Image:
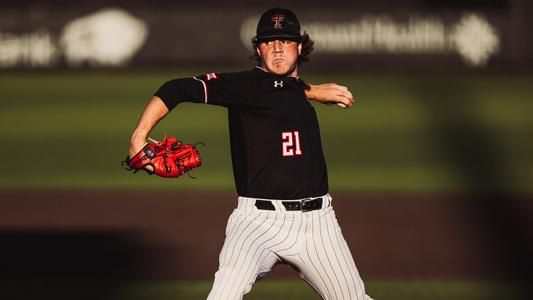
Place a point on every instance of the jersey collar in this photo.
(266, 71)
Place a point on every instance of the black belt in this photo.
(301, 205)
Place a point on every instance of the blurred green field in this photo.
(383, 290)
(262, 290)
(405, 133)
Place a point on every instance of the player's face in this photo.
(280, 56)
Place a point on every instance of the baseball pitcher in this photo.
(284, 213)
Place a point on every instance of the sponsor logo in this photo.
(278, 83)
(472, 36)
(106, 37)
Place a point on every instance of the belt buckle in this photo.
(303, 205)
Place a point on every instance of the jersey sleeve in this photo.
(180, 90)
(224, 89)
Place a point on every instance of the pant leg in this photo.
(245, 255)
(325, 261)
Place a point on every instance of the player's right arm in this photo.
(168, 96)
(218, 89)
(152, 114)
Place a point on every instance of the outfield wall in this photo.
(383, 36)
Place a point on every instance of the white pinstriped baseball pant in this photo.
(311, 242)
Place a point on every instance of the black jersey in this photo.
(274, 134)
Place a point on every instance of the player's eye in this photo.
(287, 42)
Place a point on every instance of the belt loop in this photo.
(245, 204)
(240, 203)
(250, 205)
(327, 201)
(279, 206)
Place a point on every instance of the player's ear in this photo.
(299, 48)
(258, 52)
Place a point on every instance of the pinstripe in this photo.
(351, 265)
(349, 254)
(252, 249)
(230, 246)
(229, 226)
(239, 253)
(231, 261)
(224, 251)
(313, 287)
(282, 241)
(314, 266)
(309, 261)
(252, 258)
(304, 237)
(233, 233)
(269, 247)
(240, 232)
(338, 251)
(321, 229)
(296, 237)
(303, 271)
(259, 260)
(346, 250)
(346, 264)
(314, 235)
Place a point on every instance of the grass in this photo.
(406, 133)
(268, 289)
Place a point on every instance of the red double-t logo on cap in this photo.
(277, 18)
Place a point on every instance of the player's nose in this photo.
(278, 47)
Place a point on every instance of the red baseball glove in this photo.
(168, 158)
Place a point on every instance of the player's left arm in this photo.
(330, 93)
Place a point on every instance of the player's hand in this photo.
(330, 93)
(135, 147)
(155, 110)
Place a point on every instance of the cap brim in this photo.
(271, 37)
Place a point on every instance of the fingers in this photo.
(345, 98)
(343, 95)
(348, 95)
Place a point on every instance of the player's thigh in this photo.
(244, 255)
(233, 280)
(327, 264)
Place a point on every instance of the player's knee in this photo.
(230, 285)
(229, 292)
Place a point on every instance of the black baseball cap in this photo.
(278, 23)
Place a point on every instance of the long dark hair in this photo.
(307, 48)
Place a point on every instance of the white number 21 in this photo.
(291, 143)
